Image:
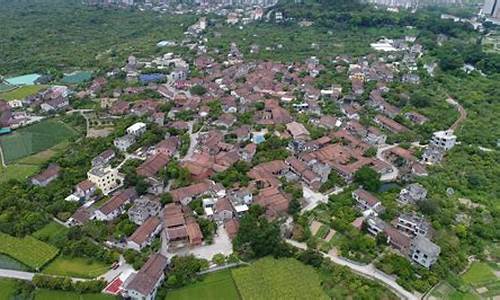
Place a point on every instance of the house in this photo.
(303, 170)
(225, 120)
(106, 179)
(416, 117)
(433, 155)
(194, 233)
(413, 224)
(186, 194)
(124, 142)
(412, 193)
(242, 133)
(137, 129)
(298, 131)
(232, 226)
(366, 202)
(375, 225)
(81, 216)
(390, 124)
(115, 206)
(223, 210)
(153, 165)
(424, 252)
(58, 103)
(119, 108)
(144, 235)
(85, 189)
(274, 201)
(168, 146)
(328, 122)
(47, 176)
(144, 284)
(397, 239)
(104, 158)
(143, 209)
(444, 139)
(174, 224)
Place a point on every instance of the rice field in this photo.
(28, 250)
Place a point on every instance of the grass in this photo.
(28, 250)
(270, 278)
(50, 232)
(478, 273)
(60, 295)
(214, 286)
(7, 289)
(22, 92)
(17, 172)
(35, 138)
(75, 267)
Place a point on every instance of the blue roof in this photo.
(5, 130)
(153, 77)
(258, 138)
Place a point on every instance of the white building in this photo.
(137, 129)
(444, 139)
(424, 252)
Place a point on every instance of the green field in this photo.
(7, 289)
(478, 274)
(35, 138)
(214, 286)
(75, 267)
(269, 278)
(60, 295)
(28, 250)
(22, 92)
(50, 232)
(17, 171)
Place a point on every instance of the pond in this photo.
(27, 79)
(7, 262)
(388, 186)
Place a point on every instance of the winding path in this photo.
(368, 271)
(461, 111)
(395, 171)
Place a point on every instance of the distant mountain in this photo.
(414, 3)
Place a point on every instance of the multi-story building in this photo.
(444, 139)
(106, 179)
(424, 252)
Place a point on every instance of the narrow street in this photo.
(28, 276)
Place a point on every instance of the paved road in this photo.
(395, 172)
(314, 198)
(366, 270)
(28, 276)
(192, 143)
(123, 268)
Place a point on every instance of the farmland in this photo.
(28, 250)
(60, 295)
(214, 286)
(7, 289)
(21, 92)
(35, 138)
(269, 278)
(75, 267)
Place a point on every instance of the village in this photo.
(210, 144)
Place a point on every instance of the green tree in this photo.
(368, 178)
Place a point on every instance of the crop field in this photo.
(50, 232)
(22, 92)
(17, 171)
(60, 295)
(33, 139)
(269, 278)
(75, 267)
(214, 286)
(28, 250)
